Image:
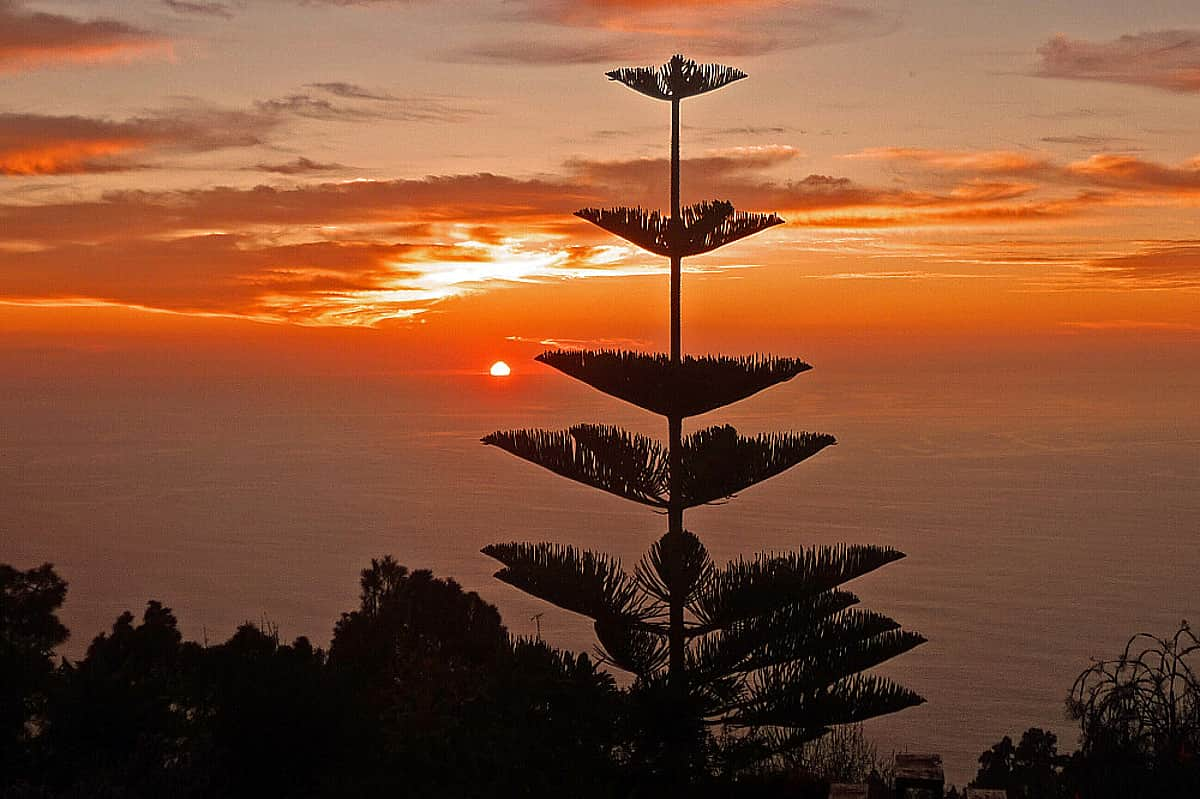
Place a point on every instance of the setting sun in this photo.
(500, 369)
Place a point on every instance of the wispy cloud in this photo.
(353, 91)
(580, 343)
(605, 30)
(207, 8)
(1168, 59)
(30, 39)
(1168, 265)
(300, 166)
(1122, 325)
(353, 103)
(1096, 142)
(979, 161)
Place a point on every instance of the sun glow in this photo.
(500, 369)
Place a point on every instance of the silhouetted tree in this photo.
(267, 716)
(443, 701)
(767, 651)
(1032, 769)
(120, 719)
(29, 632)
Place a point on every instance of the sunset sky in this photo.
(285, 181)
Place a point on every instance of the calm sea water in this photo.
(1048, 513)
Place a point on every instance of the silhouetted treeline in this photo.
(424, 693)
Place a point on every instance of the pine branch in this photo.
(619, 462)
(678, 78)
(584, 582)
(849, 701)
(702, 228)
(630, 647)
(708, 232)
(747, 588)
(718, 462)
(730, 650)
(656, 577)
(837, 647)
(649, 230)
(695, 386)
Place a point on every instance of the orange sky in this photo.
(187, 177)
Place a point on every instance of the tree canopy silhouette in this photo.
(29, 632)
(423, 693)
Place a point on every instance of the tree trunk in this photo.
(675, 426)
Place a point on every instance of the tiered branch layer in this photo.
(695, 386)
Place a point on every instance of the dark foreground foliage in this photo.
(423, 693)
(1139, 731)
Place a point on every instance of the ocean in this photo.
(1049, 509)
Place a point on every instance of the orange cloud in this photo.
(29, 39)
(65, 157)
(314, 283)
(1136, 180)
(986, 161)
(37, 144)
(1160, 266)
(1131, 172)
(361, 252)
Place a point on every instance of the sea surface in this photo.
(1048, 511)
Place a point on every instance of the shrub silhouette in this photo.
(1139, 718)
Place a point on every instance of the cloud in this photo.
(641, 180)
(301, 166)
(1171, 265)
(30, 39)
(311, 283)
(362, 251)
(607, 30)
(201, 7)
(1095, 142)
(468, 199)
(365, 105)
(38, 144)
(1167, 60)
(979, 161)
(353, 91)
(1124, 171)
(745, 176)
(1137, 174)
(201, 274)
(305, 105)
(1123, 325)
